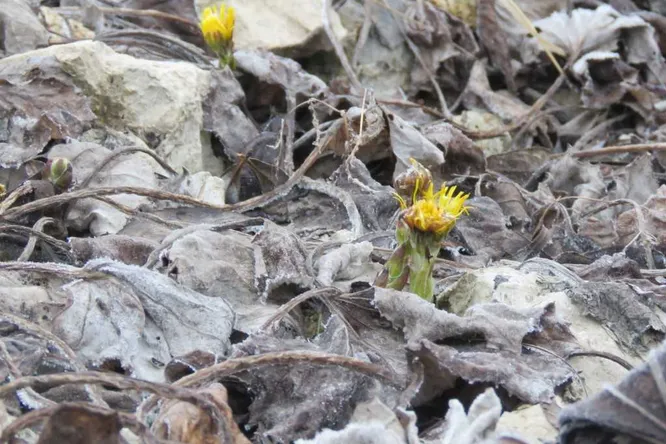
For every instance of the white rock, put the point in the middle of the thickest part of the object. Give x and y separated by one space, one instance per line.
156 100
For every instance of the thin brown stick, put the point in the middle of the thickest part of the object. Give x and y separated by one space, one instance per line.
140 214
408 104
37 233
621 149
598 354
431 76
128 12
598 130
123 152
36 330
363 33
31 418
288 140
25 421
289 358
283 189
536 106
60 199
339 50
61 270
34 234
15 373
22 190
172 237
123 382
294 302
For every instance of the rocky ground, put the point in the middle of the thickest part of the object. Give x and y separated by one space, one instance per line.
189 252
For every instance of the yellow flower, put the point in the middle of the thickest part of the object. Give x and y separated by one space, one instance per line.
434 212
218 28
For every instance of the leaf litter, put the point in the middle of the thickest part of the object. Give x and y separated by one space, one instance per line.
193 252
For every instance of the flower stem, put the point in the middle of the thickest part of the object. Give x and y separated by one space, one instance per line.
423 252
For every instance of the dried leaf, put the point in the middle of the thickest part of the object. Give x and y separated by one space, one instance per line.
279 260
297 401
461 155
372 423
39 103
81 424
219 265
21 29
499 359
184 422
631 410
617 306
139 319
407 143
125 249
346 262
494 41
475 426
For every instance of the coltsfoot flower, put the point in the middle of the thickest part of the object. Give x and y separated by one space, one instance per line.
426 218
434 213
217 27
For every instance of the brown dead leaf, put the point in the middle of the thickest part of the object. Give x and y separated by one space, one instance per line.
279 261
81 424
38 103
461 155
494 40
184 422
492 337
485 231
632 411
445 45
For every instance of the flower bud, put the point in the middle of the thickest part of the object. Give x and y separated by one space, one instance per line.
411 183
58 171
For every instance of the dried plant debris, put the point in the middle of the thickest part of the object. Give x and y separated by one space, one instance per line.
395 221
631 410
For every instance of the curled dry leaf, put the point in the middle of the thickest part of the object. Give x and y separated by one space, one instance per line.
374 201
135 169
222 115
601 29
280 259
494 40
219 265
125 249
475 426
139 319
80 424
618 306
485 231
631 410
372 423
346 262
498 358
408 143
40 102
184 422
461 155
444 42
297 401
